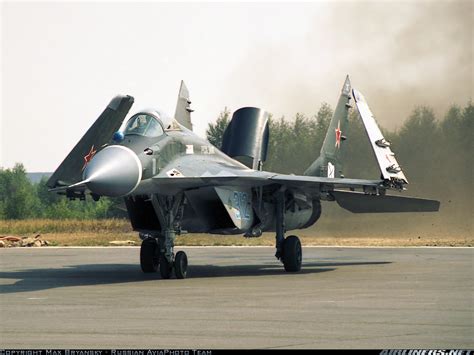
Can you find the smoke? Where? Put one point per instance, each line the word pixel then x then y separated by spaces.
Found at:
pixel 399 54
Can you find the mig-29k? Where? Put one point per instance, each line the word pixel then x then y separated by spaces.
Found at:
pixel 172 181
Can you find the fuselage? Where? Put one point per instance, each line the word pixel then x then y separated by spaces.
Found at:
pixel 163 148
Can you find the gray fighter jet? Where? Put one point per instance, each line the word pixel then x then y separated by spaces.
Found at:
pixel 173 181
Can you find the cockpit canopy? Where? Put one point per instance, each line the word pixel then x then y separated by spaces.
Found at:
pixel 144 124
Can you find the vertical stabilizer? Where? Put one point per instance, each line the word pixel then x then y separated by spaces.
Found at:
pixel 183 109
pixel 329 162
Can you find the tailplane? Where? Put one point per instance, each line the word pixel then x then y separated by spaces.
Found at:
pixel 329 162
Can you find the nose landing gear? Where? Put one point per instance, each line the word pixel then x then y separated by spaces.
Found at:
pixel 151 260
pixel 149 255
pixel 159 252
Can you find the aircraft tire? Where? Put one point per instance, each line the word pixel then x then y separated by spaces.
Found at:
pixel 180 265
pixel 149 255
pixel 292 254
pixel 166 268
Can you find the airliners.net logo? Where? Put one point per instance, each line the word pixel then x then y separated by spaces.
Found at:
pixel 427 352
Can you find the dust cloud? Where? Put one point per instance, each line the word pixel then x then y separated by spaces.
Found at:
pixel 399 54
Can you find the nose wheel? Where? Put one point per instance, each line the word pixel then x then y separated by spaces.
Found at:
pixel 180 266
pixel 151 260
pixel 149 255
pixel 169 210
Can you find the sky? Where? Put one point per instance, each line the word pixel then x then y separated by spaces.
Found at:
pixel 62 62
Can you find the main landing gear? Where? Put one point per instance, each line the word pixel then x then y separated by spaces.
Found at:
pixel 157 252
pixel 292 254
pixel 288 250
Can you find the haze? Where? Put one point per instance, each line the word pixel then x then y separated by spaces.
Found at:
pixel 61 63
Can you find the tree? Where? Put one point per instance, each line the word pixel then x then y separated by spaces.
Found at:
pixel 417 147
pixel 18 196
pixel 46 197
pixel 295 145
pixel 323 118
pixel 358 160
pixel 302 138
pixel 215 132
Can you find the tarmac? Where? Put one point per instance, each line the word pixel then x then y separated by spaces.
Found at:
pixel 238 297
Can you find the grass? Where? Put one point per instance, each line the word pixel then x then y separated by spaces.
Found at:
pixel 102 232
pixel 65 226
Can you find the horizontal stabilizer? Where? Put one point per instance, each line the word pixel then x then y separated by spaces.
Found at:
pixel 357 202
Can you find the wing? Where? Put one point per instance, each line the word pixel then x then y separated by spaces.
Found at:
pixel 189 173
pixel 99 134
pixel 389 167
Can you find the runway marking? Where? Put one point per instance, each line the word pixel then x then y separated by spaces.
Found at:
pixel 37 298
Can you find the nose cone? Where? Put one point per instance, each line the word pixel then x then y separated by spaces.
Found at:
pixel 114 171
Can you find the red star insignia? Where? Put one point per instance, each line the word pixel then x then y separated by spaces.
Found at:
pixel 338 134
pixel 89 157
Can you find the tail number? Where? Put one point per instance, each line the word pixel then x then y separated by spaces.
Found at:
pixel 241 204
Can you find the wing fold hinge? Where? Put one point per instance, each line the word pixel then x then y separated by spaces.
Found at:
pixel 382 143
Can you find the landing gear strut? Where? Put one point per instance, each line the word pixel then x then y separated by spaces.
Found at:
pixel 288 250
pixel 166 267
pixel 169 211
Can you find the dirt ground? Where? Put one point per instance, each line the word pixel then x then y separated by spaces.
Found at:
pixel 335 228
pixel 268 239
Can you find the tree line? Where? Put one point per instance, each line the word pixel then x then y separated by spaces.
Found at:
pixel 436 154
pixel 22 199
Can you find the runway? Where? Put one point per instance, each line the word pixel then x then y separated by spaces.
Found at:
pixel 238 298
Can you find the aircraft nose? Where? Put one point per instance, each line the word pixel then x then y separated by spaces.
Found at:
pixel 114 171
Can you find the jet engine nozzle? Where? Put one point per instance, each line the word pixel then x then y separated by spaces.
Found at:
pixel 114 171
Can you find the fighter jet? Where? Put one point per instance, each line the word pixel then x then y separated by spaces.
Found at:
pixel 172 181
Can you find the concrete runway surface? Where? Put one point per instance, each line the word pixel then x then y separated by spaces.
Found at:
pixel 238 297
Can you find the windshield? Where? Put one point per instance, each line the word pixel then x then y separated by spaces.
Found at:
pixel 144 125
